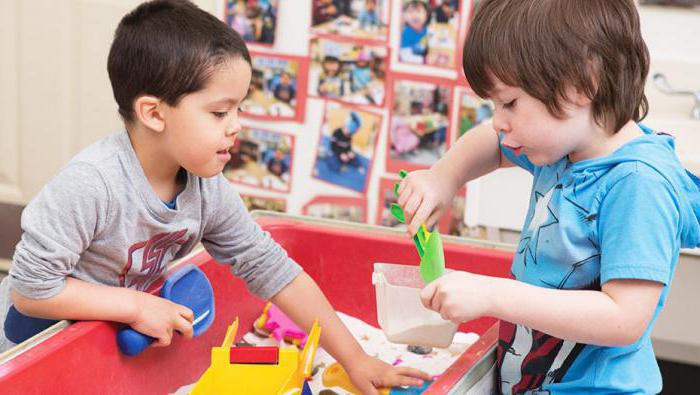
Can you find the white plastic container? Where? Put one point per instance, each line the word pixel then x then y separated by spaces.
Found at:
pixel 401 314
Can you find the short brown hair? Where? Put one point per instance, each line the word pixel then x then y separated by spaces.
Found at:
pixel 548 46
pixel 168 49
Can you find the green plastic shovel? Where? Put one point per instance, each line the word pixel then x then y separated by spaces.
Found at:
pixel 428 244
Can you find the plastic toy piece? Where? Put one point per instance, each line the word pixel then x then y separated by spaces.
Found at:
pixel 274 321
pixel 251 354
pixel 411 390
pixel 336 376
pixel 428 244
pixel 306 390
pixel 432 263
pixel 188 286
pixel 288 376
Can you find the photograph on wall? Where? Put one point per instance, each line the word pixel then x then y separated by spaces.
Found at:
pixel 419 123
pixel 429 32
pixel 337 208
pixel 277 88
pixel 385 197
pixel 262 159
pixel 450 223
pixel 254 20
pixel 470 110
pixel 254 202
pixel 364 19
pixel 347 146
pixel 453 220
pixel 348 71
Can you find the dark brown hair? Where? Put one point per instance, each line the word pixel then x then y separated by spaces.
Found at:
pixel 168 48
pixel 546 47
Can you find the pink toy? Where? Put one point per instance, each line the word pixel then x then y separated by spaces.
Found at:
pixel 275 322
pixel 403 139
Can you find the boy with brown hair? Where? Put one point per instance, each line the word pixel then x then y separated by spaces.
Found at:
pixel 610 208
pixel 105 228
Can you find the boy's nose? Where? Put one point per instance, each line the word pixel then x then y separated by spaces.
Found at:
pixel 499 122
pixel 233 127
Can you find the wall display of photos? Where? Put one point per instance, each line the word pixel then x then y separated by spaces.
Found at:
pixel 364 76
pixel 253 202
pixel 347 146
pixel 471 110
pixel 337 208
pixel 277 88
pixel 429 32
pixel 385 197
pixel 420 122
pixel 349 71
pixel 262 159
pixel 255 21
pixel 363 19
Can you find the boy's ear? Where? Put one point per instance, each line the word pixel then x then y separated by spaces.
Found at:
pixel 149 111
pixel 577 97
pixel 581 99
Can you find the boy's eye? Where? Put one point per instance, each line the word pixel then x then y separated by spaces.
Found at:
pixel 220 114
pixel 510 104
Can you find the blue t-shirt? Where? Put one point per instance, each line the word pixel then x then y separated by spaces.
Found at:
pixel 416 40
pixel 622 216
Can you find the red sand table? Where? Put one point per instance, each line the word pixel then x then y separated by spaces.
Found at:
pixel 83 357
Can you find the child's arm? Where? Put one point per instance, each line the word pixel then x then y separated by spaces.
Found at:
pixel 424 194
pixel 303 302
pixel 618 315
pixel 231 236
pixel 80 300
pixel 59 225
pixel 636 228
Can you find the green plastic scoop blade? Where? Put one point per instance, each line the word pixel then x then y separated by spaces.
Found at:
pixel 428 244
pixel 397 212
pixel 432 263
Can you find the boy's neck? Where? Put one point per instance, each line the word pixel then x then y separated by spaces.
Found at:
pixel 160 170
pixel 604 143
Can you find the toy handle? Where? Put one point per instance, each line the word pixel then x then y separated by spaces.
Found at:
pixel 420 239
pixel 132 342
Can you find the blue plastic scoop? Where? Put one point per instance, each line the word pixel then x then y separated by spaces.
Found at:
pixel 188 286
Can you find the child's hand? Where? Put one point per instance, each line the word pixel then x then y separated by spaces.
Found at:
pixel 459 296
pixel 368 374
pixel 423 197
pixel 158 318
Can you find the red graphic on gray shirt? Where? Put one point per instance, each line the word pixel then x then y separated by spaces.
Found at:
pixel 145 262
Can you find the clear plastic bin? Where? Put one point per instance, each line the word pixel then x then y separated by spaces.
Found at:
pixel 400 313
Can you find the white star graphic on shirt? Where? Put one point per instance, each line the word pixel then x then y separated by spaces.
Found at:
pixel 541 210
pixel 541 218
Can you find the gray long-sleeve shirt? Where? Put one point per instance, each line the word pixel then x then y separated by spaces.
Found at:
pixel 99 220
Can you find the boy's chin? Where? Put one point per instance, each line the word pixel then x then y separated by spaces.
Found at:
pixel 541 161
pixel 205 173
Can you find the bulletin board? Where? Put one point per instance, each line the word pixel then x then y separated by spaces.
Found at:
pixel 344 94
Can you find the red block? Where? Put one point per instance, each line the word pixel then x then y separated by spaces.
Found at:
pixel 257 355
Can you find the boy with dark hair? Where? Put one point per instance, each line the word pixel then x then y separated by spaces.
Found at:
pixel 611 204
pixel 284 89
pixel 331 82
pixel 105 228
pixel 341 142
pixel 414 33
